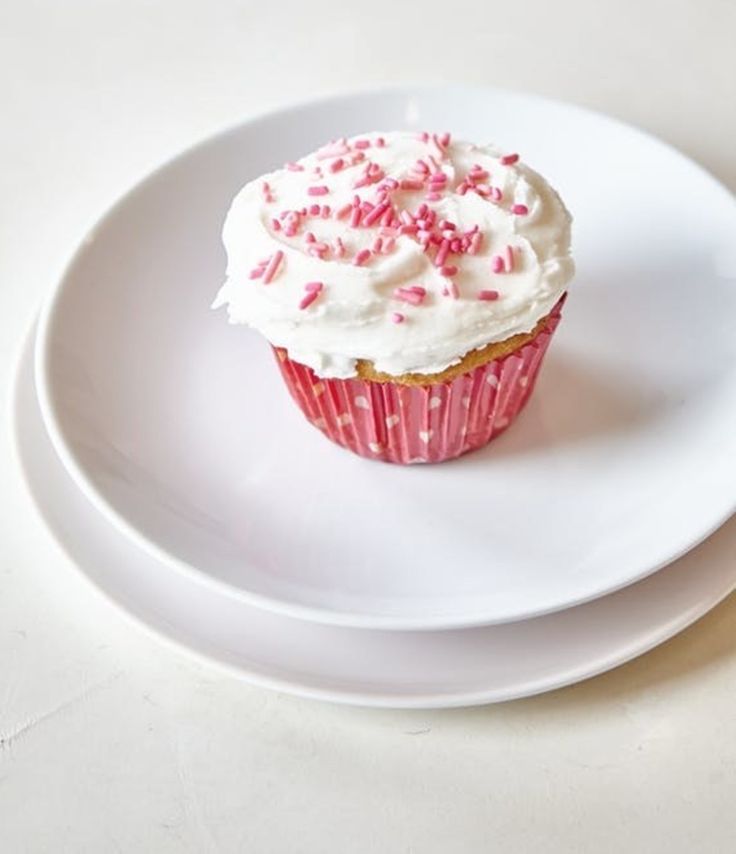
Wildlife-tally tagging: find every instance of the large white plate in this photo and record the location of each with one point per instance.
(178, 428)
(379, 668)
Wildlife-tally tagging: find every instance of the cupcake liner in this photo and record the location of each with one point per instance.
(420, 424)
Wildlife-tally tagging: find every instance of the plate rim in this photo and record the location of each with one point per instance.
(378, 700)
(315, 613)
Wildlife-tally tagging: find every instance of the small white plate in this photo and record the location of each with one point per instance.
(178, 428)
(375, 668)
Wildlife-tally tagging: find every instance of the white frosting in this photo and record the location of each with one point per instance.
(354, 314)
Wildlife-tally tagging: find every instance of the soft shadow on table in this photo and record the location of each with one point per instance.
(704, 646)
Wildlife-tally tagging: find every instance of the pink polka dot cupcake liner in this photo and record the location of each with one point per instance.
(431, 423)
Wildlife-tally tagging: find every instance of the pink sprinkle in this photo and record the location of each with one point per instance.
(482, 189)
(442, 253)
(309, 237)
(508, 159)
(433, 197)
(448, 270)
(275, 225)
(361, 144)
(407, 184)
(375, 214)
(414, 295)
(380, 142)
(444, 139)
(406, 217)
(265, 187)
(310, 287)
(344, 211)
(445, 224)
(339, 248)
(377, 245)
(317, 250)
(326, 211)
(433, 163)
(311, 295)
(314, 210)
(357, 157)
(272, 266)
(397, 317)
(421, 166)
(422, 211)
(453, 291)
(256, 273)
(388, 232)
(498, 265)
(455, 244)
(463, 188)
(423, 136)
(361, 258)
(475, 242)
(356, 216)
(488, 295)
(294, 167)
(438, 146)
(388, 245)
(496, 194)
(438, 178)
(409, 229)
(373, 175)
(319, 190)
(388, 216)
(521, 210)
(334, 149)
(509, 258)
(337, 165)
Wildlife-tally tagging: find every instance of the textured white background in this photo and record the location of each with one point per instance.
(110, 743)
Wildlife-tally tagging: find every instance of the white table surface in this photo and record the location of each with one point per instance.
(110, 742)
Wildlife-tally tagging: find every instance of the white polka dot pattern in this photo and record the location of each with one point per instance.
(412, 424)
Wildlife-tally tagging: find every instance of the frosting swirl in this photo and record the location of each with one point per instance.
(404, 249)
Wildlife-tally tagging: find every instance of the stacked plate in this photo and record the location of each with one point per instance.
(166, 456)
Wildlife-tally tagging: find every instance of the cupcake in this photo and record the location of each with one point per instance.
(409, 284)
